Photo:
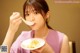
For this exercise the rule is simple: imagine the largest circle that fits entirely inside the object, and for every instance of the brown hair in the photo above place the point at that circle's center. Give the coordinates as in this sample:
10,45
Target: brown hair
39,5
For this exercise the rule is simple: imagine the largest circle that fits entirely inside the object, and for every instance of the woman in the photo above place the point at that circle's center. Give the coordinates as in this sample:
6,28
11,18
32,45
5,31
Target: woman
37,12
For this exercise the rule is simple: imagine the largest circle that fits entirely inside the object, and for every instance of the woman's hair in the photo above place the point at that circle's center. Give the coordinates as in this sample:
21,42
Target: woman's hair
39,5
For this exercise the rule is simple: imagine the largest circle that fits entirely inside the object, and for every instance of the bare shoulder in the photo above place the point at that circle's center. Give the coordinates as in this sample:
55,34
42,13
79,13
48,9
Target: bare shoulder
65,45
65,38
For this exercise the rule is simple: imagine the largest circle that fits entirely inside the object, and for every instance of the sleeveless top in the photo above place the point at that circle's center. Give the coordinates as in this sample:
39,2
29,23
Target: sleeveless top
54,39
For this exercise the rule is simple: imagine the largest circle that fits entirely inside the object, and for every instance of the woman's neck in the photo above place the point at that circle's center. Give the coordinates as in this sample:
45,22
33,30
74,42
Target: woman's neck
42,32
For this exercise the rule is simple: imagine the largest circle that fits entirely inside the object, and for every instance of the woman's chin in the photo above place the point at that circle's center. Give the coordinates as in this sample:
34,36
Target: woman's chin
35,28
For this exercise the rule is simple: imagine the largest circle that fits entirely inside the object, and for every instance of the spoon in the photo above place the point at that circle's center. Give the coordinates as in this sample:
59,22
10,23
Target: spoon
27,22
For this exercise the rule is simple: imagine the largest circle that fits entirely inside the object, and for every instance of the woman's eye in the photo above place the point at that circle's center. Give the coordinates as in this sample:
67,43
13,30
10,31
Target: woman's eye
35,12
26,14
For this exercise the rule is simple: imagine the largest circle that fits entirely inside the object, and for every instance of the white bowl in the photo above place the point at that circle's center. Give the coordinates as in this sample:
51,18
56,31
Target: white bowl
32,43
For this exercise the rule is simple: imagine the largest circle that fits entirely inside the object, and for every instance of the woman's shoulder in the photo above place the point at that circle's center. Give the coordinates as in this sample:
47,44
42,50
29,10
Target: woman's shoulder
58,34
55,39
61,34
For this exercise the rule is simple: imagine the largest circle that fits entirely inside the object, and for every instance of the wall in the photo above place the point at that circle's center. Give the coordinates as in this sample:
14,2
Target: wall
64,17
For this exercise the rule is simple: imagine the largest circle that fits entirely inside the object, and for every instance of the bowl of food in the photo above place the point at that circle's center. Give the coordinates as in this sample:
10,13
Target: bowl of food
32,43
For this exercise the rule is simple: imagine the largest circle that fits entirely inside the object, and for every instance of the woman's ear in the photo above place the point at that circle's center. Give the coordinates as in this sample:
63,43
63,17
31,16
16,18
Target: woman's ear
48,14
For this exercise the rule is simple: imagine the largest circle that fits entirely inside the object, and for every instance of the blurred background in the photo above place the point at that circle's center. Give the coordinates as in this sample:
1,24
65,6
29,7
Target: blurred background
64,17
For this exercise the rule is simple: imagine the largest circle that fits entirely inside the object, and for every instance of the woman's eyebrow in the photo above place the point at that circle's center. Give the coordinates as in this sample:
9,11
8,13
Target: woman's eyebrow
30,10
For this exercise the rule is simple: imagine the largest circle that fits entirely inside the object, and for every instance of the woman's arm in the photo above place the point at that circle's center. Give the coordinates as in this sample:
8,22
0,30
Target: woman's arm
65,45
8,39
15,21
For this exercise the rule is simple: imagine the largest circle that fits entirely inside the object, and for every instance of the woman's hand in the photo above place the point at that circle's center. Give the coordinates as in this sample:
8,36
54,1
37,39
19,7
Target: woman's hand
45,49
15,20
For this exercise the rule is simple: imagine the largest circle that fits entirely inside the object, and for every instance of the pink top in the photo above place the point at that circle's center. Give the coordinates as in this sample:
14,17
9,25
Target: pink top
54,39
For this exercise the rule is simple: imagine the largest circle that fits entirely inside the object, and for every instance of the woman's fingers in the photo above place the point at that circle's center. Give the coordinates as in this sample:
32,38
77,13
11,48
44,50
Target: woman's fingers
39,50
15,20
15,15
34,51
18,20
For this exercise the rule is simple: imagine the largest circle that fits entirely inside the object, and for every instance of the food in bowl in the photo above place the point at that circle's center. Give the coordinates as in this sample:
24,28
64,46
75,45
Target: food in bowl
32,43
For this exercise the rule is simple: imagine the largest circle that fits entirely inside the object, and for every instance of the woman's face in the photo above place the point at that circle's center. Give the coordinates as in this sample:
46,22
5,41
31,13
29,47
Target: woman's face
33,16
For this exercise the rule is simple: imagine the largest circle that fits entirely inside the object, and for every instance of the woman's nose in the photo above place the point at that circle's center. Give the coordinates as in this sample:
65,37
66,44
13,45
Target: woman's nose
31,17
